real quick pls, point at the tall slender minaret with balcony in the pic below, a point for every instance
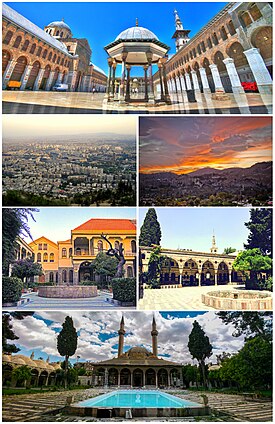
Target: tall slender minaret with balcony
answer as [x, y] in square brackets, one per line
[121, 333]
[214, 248]
[154, 334]
[181, 35]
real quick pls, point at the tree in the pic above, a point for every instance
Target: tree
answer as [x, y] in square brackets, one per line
[250, 324]
[22, 374]
[8, 334]
[26, 268]
[228, 250]
[14, 224]
[67, 343]
[105, 265]
[150, 232]
[200, 347]
[155, 263]
[190, 374]
[260, 227]
[252, 263]
[251, 367]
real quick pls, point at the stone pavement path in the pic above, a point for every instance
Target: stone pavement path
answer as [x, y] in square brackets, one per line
[41, 407]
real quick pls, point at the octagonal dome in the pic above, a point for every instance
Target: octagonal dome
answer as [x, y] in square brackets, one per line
[136, 33]
[59, 24]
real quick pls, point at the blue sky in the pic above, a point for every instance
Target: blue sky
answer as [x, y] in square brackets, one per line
[56, 223]
[98, 337]
[192, 228]
[101, 22]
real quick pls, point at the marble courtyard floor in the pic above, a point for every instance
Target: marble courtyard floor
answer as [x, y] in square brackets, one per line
[101, 302]
[53, 102]
[45, 407]
[183, 298]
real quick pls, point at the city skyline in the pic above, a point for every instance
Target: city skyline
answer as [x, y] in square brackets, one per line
[98, 334]
[183, 145]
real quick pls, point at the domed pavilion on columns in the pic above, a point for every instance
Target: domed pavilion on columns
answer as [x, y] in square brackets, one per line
[136, 46]
[137, 367]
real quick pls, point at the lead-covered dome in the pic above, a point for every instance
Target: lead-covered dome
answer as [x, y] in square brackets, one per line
[138, 352]
[136, 33]
[59, 24]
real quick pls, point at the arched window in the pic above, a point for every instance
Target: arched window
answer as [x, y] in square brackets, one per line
[38, 257]
[58, 60]
[203, 46]
[245, 19]
[215, 39]
[71, 276]
[62, 62]
[134, 246]
[25, 46]
[52, 257]
[45, 257]
[64, 253]
[8, 37]
[57, 33]
[51, 277]
[223, 33]
[231, 28]
[44, 53]
[255, 12]
[209, 43]
[50, 56]
[61, 34]
[78, 251]
[70, 252]
[199, 49]
[100, 246]
[54, 58]
[56, 277]
[39, 50]
[33, 47]
[17, 41]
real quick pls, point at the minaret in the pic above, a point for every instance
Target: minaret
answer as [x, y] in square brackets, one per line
[181, 35]
[214, 248]
[154, 334]
[121, 333]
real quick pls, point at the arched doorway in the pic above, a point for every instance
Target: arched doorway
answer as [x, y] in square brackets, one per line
[163, 378]
[6, 57]
[175, 378]
[223, 273]
[125, 377]
[170, 273]
[262, 40]
[86, 272]
[236, 52]
[45, 77]
[208, 274]
[19, 68]
[218, 60]
[7, 374]
[113, 377]
[42, 380]
[190, 272]
[150, 377]
[138, 378]
[33, 75]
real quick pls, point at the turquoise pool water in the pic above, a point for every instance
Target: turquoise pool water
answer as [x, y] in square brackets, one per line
[137, 399]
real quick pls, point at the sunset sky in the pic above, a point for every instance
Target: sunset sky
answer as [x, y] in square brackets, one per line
[186, 144]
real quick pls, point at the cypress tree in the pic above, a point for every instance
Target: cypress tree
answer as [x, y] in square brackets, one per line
[260, 227]
[150, 232]
[67, 343]
[200, 347]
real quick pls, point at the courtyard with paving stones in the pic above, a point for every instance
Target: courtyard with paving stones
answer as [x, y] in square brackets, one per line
[45, 407]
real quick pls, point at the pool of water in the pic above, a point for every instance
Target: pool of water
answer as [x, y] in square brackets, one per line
[137, 399]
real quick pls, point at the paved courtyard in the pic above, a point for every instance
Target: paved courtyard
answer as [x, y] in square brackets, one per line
[45, 407]
[101, 302]
[54, 102]
[184, 298]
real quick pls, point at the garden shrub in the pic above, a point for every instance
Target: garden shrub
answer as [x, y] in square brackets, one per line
[11, 289]
[124, 289]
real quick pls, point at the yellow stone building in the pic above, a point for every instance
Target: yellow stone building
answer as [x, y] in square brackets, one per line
[71, 261]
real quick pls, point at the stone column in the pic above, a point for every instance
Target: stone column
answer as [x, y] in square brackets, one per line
[113, 85]
[59, 78]
[127, 97]
[143, 372]
[195, 81]
[151, 96]
[169, 86]
[122, 81]
[233, 76]
[178, 84]
[166, 92]
[161, 82]
[109, 83]
[49, 82]
[229, 277]
[180, 279]
[175, 84]
[157, 383]
[131, 380]
[75, 275]
[25, 77]
[145, 82]
[8, 73]
[216, 277]
[204, 80]
[182, 81]
[38, 79]
[106, 377]
[259, 70]
[188, 82]
[47, 380]
[168, 377]
[118, 379]
[73, 80]
[65, 81]
[216, 77]
[199, 278]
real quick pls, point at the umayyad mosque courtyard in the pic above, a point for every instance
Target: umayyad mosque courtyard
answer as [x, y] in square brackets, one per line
[221, 65]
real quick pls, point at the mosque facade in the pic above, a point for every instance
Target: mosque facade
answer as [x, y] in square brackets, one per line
[137, 367]
[37, 59]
